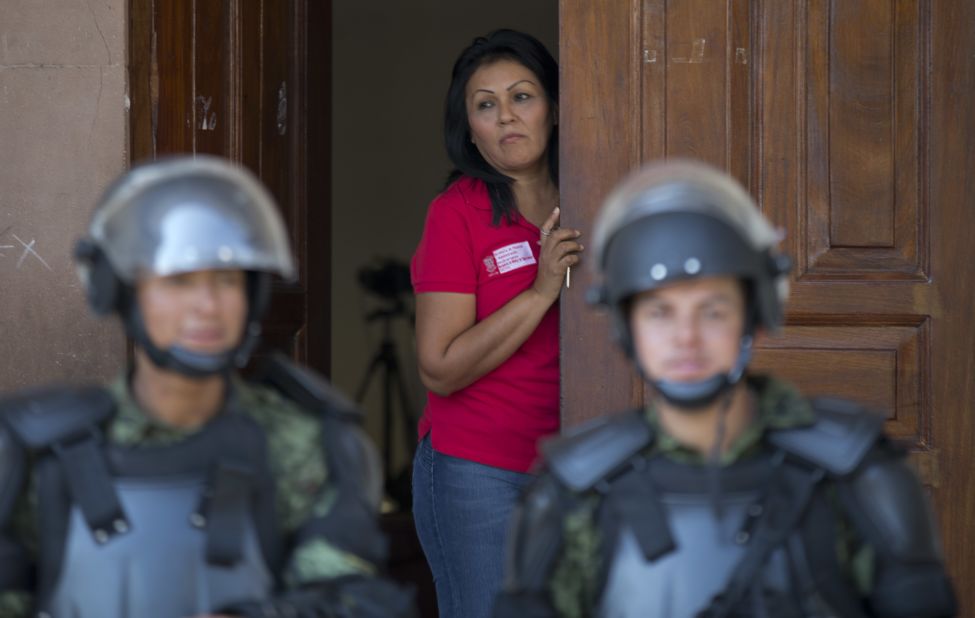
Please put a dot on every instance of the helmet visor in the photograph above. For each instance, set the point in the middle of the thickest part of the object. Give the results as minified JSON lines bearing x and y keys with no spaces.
{"x":201,"y":215}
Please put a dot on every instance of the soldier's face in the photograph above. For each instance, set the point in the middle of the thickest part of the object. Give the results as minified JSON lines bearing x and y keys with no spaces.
{"x":690,"y":330}
{"x":201,"y":311}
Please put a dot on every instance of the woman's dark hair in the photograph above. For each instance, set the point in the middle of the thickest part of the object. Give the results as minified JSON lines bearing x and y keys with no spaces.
{"x":499,"y":45}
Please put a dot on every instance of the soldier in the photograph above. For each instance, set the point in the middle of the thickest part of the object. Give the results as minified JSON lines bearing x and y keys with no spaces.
{"x":181,"y":489}
{"x":730,"y":494}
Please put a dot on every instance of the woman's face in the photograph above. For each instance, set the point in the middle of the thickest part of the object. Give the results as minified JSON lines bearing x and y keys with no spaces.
{"x":509,"y":116}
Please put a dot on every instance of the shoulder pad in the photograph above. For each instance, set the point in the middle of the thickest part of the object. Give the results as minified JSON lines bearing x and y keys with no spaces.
{"x":535,"y":535}
{"x":587,"y":454}
{"x":42,"y":417}
{"x":889,"y":505}
{"x":891,"y":512}
{"x":306,"y":388}
{"x":837,"y":441}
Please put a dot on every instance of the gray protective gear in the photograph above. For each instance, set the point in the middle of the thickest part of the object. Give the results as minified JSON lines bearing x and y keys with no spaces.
{"x":681,"y":220}
{"x":159,"y":568}
{"x":665,"y":552}
{"x":682,"y":583}
{"x":893,"y":512}
{"x":187,"y":214}
{"x":182,"y":215}
{"x":198,"y":514}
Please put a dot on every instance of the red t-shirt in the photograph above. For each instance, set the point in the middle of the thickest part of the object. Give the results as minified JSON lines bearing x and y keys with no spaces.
{"x":498,"y":419}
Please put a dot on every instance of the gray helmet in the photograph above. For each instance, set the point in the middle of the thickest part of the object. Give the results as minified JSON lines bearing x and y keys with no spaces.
{"x":180,"y":215}
{"x":679,"y":220}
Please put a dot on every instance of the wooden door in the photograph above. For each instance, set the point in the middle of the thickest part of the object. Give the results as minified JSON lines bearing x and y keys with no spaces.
{"x":851,"y":122}
{"x":248,"y":80}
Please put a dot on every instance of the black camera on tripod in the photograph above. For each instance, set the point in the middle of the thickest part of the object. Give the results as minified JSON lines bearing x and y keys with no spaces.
{"x":387,"y":278}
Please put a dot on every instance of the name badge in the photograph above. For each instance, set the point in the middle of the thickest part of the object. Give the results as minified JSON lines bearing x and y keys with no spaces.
{"x":512,"y":257}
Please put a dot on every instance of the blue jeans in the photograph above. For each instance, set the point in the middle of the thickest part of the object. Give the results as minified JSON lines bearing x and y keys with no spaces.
{"x":461,"y":509}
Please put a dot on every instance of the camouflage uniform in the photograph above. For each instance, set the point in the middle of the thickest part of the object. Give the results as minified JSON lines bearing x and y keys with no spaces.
{"x":574,"y":584}
{"x":297,"y":465}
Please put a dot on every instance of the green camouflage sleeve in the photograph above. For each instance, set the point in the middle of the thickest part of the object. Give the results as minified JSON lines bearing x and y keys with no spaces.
{"x":14,"y":604}
{"x":575,"y":577}
{"x":303,"y":492}
{"x":317,"y":559}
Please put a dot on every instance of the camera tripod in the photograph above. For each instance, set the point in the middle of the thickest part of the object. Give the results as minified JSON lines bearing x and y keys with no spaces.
{"x":385,"y":360}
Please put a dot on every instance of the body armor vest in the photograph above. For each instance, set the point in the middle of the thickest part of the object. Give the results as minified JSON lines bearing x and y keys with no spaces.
{"x":179,"y":529}
{"x":193,"y":526}
{"x":158,"y":568}
{"x":710,"y":525}
{"x":759,"y":537}
{"x":675,"y":584}
{"x":149,"y":531}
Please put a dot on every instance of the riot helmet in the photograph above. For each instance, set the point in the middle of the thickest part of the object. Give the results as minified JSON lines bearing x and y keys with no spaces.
{"x":678,"y":220}
{"x":181,"y":215}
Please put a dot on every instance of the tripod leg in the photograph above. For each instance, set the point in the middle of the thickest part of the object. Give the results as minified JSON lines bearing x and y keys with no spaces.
{"x":388,"y":420}
{"x":374,"y":364}
{"x":406,"y":408}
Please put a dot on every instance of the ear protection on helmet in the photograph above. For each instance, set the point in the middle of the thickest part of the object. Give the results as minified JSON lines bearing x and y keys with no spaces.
{"x":103,"y":288}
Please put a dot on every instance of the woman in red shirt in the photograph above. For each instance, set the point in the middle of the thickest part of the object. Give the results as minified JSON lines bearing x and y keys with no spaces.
{"x":487,"y":274}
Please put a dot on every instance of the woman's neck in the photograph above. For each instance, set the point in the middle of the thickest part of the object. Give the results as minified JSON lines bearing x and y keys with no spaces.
{"x":174,"y":399}
{"x":535,"y":195}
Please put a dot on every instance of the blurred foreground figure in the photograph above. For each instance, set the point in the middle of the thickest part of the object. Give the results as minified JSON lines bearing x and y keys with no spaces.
{"x":181,"y":489}
{"x":730,"y":494}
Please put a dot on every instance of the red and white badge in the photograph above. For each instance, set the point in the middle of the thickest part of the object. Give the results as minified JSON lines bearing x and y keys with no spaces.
{"x":512,"y":257}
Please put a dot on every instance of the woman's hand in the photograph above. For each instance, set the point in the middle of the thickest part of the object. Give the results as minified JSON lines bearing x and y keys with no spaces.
{"x":454,"y":349}
{"x":560,"y":249}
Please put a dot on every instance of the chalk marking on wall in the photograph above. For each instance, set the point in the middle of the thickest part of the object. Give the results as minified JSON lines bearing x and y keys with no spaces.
{"x":29,"y":250}
{"x":283,"y":109}
{"x":697,"y":49}
{"x":208,"y":122}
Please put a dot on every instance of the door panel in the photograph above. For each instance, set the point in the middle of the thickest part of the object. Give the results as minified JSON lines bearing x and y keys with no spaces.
{"x":848,"y":122}
{"x":859,"y":322}
{"x":599,"y":140}
{"x":862,"y":114}
{"x":237,"y":79}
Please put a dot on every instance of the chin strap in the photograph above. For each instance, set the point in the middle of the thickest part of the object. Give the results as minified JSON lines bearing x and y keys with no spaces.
{"x":694,"y":396}
{"x":189,"y":363}
{"x":697,"y":396}
{"x":714,"y":457}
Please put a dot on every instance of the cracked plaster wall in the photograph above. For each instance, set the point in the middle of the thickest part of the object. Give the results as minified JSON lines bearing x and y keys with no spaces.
{"x":63,"y":138}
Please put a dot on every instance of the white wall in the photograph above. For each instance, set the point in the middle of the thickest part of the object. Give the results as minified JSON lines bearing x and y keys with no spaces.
{"x":391,"y":68}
